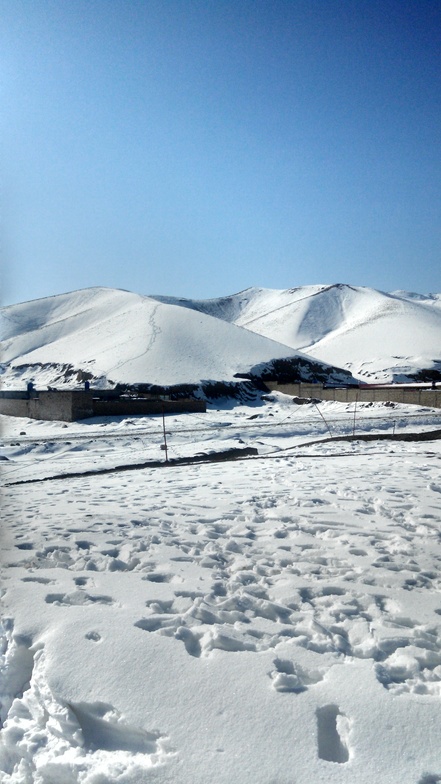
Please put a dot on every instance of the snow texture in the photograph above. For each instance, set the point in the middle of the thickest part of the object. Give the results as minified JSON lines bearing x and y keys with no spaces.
{"x":376,"y":336}
{"x":120,"y":337}
{"x":266,"y":621}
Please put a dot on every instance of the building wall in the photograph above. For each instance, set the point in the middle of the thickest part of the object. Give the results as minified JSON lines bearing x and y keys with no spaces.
{"x":145,"y":406}
{"x":66,"y":406}
{"x":419,"y":397}
{"x":14,"y":406}
{"x":61,"y":405}
{"x":71,"y":405}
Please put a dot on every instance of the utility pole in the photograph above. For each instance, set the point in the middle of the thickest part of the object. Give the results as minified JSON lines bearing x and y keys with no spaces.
{"x":165,"y":435}
{"x":355,"y":412}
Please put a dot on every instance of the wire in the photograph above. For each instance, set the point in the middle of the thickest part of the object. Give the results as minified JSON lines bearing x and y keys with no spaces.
{"x":254,"y":426}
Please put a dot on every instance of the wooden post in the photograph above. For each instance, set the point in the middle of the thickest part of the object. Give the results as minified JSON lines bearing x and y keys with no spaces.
{"x":165,"y":436}
{"x":355,"y":411}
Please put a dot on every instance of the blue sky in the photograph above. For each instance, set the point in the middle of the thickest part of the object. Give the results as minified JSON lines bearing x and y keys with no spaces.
{"x":198,"y":147}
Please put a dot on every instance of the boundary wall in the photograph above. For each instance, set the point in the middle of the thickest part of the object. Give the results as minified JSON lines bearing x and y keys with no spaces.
{"x":71,"y":405}
{"x":62,"y":405}
{"x":419,"y":396}
{"x":144,"y":406}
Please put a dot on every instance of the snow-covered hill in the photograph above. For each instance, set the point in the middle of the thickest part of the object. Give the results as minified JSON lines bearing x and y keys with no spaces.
{"x":377,"y":336}
{"x":120,"y":337}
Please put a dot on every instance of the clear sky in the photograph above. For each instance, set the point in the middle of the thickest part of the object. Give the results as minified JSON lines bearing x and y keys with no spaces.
{"x":199,"y":147}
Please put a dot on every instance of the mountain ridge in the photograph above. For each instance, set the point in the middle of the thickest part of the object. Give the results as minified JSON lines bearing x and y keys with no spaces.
{"x":334,"y":332}
{"x":117,"y":337}
{"x":378,"y":336}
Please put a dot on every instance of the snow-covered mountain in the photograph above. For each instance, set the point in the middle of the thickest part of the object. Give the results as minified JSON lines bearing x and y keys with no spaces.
{"x":120,"y":337}
{"x":377,"y":336}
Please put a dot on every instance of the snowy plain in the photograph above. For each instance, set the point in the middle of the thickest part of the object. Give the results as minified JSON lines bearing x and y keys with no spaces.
{"x":272,"y":620}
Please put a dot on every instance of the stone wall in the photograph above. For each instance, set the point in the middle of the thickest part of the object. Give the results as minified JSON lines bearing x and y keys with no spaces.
{"x":56,"y":405}
{"x":14,"y":405}
{"x":416,"y":396}
{"x":71,"y":405}
{"x":144,"y":406}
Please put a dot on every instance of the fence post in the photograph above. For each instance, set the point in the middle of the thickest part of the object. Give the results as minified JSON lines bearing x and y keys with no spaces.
{"x":165,"y":436}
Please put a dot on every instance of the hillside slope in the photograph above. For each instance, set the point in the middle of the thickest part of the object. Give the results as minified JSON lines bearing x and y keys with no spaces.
{"x":377,"y":336}
{"x":120,"y":337}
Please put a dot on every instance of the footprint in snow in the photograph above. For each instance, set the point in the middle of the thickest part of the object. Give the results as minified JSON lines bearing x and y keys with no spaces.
{"x":332,"y":734}
{"x":436,"y":488}
{"x":94,"y":636}
{"x":104,"y":728}
{"x":290,"y":677}
{"x":77,"y":598}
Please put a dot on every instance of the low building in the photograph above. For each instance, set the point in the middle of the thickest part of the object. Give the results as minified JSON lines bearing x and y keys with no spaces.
{"x":69,"y":405}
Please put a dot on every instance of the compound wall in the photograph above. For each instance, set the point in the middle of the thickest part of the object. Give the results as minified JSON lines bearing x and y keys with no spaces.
{"x":71,"y":405}
{"x":141,"y":406}
{"x":412,"y":395}
{"x":66,"y":406}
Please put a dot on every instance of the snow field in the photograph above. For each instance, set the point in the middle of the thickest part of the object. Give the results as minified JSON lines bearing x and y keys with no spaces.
{"x":34,"y":449}
{"x":265,"y":621}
